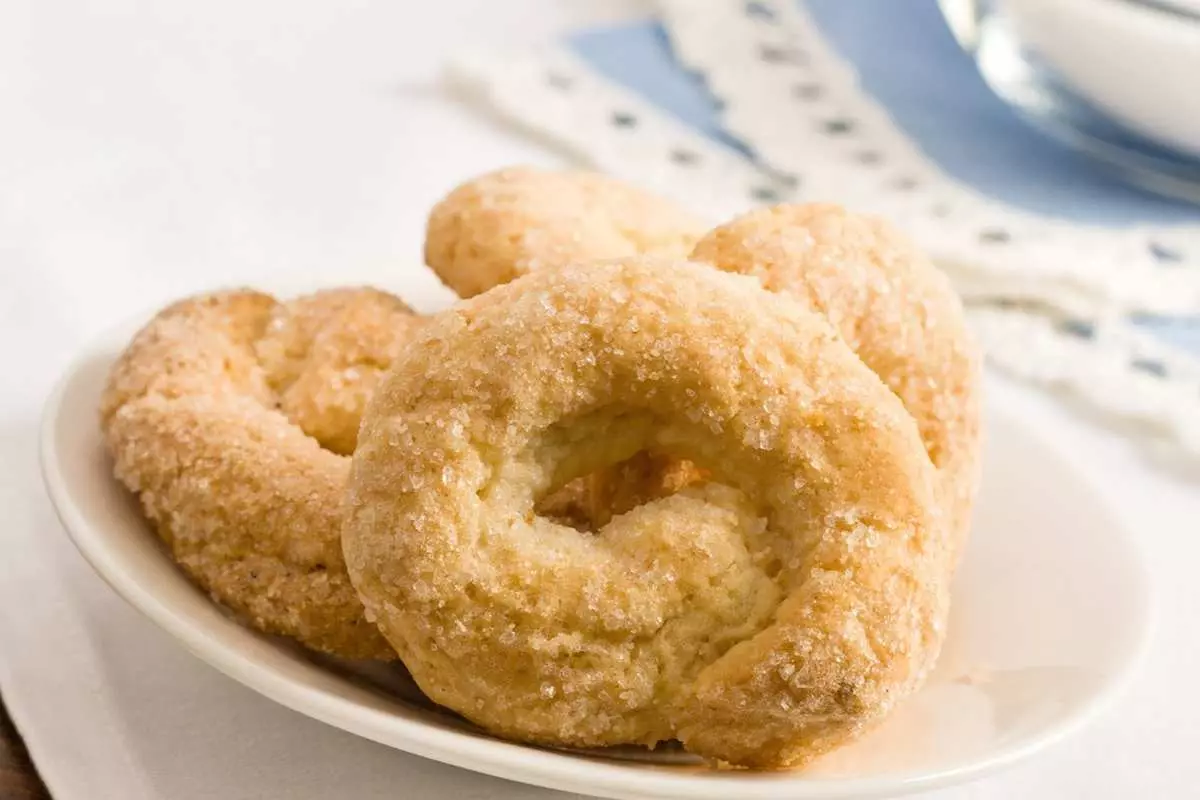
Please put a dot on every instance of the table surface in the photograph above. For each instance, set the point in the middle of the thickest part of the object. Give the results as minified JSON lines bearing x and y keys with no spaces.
{"x":18,"y":779}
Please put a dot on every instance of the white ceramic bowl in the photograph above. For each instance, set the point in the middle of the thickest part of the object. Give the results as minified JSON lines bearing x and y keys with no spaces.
{"x":1113,"y":78}
{"x":1050,"y":615}
{"x":1137,"y":60}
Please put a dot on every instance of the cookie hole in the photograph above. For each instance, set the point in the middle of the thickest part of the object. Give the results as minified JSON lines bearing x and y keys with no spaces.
{"x":587,"y":504}
{"x":569,"y":505}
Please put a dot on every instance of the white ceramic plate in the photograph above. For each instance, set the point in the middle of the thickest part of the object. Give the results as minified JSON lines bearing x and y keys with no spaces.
{"x":1050,"y":614}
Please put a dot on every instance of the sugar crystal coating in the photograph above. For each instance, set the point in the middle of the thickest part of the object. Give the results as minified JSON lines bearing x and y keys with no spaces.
{"x":505,"y":224}
{"x":762,"y":619}
{"x":894,"y":308}
{"x":215,"y":416}
{"x":499,"y":226}
{"x":891,"y":304}
{"x":322,"y":355}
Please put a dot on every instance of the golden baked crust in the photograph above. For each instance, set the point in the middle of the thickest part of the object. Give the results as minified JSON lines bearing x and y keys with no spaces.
{"x":323,"y":354}
{"x":894,"y":308}
{"x":897,"y":310}
{"x":762,"y":619}
{"x":504,"y":224}
{"x":196,"y":416}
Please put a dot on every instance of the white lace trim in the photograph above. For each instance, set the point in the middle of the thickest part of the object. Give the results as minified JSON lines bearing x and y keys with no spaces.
{"x":552,"y":94}
{"x":797,"y":106}
{"x":1115,"y":367}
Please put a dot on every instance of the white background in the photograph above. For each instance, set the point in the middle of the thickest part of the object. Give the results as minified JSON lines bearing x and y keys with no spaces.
{"x":150,"y":148}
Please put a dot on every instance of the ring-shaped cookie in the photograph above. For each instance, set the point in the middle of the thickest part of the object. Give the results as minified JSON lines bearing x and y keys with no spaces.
{"x":504,"y":224}
{"x":196,"y":416}
{"x":761,"y":619}
{"x":894,"y":308}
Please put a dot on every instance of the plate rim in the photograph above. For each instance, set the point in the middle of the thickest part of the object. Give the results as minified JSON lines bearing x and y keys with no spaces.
{"x":535,"y":766}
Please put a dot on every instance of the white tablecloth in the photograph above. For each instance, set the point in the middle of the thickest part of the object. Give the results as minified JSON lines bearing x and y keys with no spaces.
{"x":151,"y":149}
